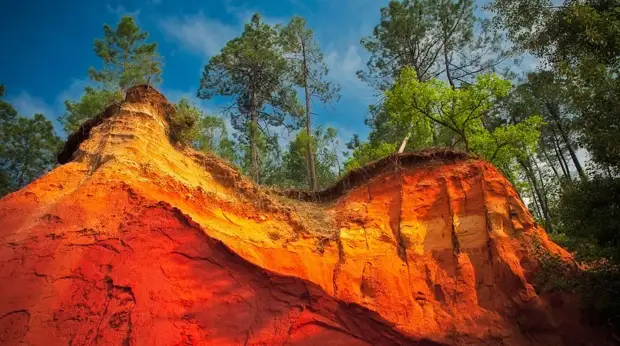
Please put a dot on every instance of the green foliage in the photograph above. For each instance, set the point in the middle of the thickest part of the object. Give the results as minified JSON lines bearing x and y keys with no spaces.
{"x":307,"y":61}
{"x":295,"y":163}
{"x":574,"y":32}
{"x":269,"y":157}
{"x":93,"y":102}
{"x":434,"y":38}
{"x":367,"y":152}
{"x":594,"y":94}
{"x":7,"y":112}
{"x":580,"y":41}
{"x":589,"y":211}
{"x":465,"y":113}
{"x":213,"y":137}
{"x":127,"y":61}
{"x":598,"y":285}
{"x":28,"y":148}
{"x":309,"y":71}
{"x":508,"y":142}
{"x":188,"y":125}
{"x":183,"y":123}
{"x":253,"y":71}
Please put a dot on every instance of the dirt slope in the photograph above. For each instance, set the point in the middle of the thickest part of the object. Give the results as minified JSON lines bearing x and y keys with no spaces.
{"x":135,"y":242}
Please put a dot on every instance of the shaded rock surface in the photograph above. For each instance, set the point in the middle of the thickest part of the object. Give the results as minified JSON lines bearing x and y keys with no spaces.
{"x":136,"y":242}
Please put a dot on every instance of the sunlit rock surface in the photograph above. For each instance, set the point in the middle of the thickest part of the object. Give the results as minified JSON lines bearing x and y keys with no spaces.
{"x":136,"y":242}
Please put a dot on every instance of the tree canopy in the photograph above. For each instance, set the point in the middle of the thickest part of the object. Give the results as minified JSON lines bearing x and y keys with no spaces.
{"x":253,"y":71}
{"x":127,"y":60}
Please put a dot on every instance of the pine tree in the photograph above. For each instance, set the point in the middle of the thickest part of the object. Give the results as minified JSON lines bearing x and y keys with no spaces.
{"x":27,"y":148}
{"x":252,"y":70}
{"x":127,"y":60}
{"x":295,"y":163}
{"x":310,"y":71}
{"x":436,"y":39}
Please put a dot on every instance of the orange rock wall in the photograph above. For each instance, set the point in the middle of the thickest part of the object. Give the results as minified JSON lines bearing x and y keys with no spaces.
{"x":137,"y":242}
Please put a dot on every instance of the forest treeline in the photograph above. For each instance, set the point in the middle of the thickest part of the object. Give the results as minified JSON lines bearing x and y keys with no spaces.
{"x":444,"y":77}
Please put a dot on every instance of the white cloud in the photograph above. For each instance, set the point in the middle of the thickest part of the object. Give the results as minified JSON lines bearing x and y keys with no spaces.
{"x":344,"y":66}
{"x":244,"y":14}
{"x":29,"y":105}
{"x":121,"y":11}
{"x":198,"y":33}
{"x":73,"y":92}
{"x":207,"y":36}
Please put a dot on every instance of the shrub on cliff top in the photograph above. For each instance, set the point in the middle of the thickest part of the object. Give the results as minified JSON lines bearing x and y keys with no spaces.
{"x":183,"y":123}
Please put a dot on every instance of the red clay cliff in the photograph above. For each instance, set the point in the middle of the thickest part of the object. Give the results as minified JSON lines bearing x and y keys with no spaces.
{"x":136,"y":242}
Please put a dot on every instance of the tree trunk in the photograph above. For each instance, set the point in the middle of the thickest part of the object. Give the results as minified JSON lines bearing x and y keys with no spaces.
{"x":310,"y":154}
{"x":526,"y":165}
{"x":554,"y":110}
{"x":447,"y":64}
{"x":435,"y":135}
{"x":561,"y":159}
{"x":21,"y":177}
{"x":537,"y":208}
{"x":404,"y":144}
{"x":255,"y":168}
{"x":555,"y":171}
{"x":572,"y":153}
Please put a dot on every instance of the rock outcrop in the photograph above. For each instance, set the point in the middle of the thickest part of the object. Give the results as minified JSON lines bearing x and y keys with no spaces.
{"x":135,"y":242}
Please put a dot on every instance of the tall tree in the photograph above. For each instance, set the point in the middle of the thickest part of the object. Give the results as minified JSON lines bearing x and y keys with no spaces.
{"x":580,"y":42}
{"x":309,"y":73}
{"x":127,"y":60}
{"x":188,"y":125}
{"x":253,"y":71}
{"x":551,"y":100}
{"x":434,"y":38}
{"x":27,"y":148}
{"x":466,"y":113}
{"x":325,"y":144}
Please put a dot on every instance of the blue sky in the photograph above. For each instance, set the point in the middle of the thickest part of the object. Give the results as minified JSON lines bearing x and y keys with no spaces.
{"x":50,"y":47}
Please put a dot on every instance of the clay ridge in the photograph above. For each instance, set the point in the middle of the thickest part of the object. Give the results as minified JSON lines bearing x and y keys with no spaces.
{"x":392,"y":163}
{"x":138,"y":93}
{"x":353,"y":179}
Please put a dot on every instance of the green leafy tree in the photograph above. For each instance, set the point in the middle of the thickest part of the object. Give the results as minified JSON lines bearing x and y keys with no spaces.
{"x":295,"y":164}
{"x":588,"y":212}
{"x":252,"y":70}
{"x":310,"y":71}
{"x":127,"y":60}
{"x":28,"y":147}
{"x":188,"y":125}
{"x":580,"y":42}
{"x":7,"y":112}
{"x":269,"y":156}
{"x":183,"y":122}
{"x":213,"y":137}
{"x":434,"y":38}
{"x":547,"y":95}
{"x":93,"y":102}
{"x":416,"y":105}
{"x":366,"y":152}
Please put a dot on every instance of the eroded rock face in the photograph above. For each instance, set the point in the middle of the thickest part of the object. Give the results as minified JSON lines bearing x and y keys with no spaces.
{"x":135,"y":242}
